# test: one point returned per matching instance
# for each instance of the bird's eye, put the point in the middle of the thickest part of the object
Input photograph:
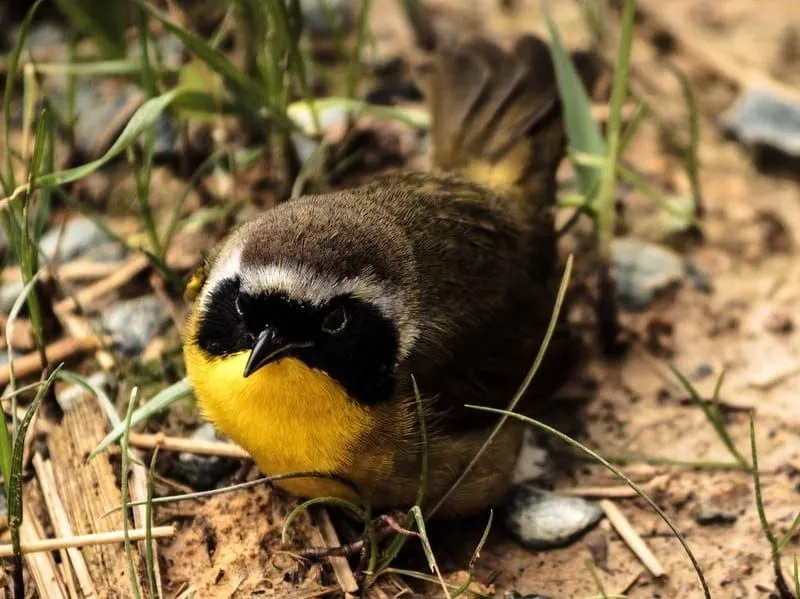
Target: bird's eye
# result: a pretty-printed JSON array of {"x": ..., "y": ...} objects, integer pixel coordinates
[{"x": 335, "y": 321}]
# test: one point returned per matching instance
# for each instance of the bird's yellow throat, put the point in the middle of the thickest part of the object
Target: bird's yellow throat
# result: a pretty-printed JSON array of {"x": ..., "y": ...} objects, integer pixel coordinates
[{"x": 288, "y": 416}]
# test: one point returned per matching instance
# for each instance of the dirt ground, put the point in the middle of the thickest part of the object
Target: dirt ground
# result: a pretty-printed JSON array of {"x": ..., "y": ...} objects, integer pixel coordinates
[{"x": 740, "y": 315}]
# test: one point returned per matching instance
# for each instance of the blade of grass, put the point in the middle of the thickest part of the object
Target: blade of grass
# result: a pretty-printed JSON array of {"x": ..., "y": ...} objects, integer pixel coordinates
[
  {"x": 11, "y": 75},
  {"x": 416, "y": 511},
  {"x": 349, "y": 506},
  {"x": 796, "y": 577},
  {"x": 434, "y": 580},
  {"x": 582, "y": 131},
  {"x": 601, "y": 460},
  {"x": 132, "y": 577},
  {"x": 619, "y": 91},
  {"x": 598, "y": 583},
  {"x": 787, "y": 537},
  {"x": 148, "y": 529},
  {"x": 157, "y": 403},
  {"x": 712, "y": 413},
  {"x": 762, "y": 514},
  {"x": 562, "y": 290},
  {"x": 102, "y": 398},
  {"x": 691, "y": 157},
  {"x": 14, "y": 487},
  {"x": 474, "y": 559}
]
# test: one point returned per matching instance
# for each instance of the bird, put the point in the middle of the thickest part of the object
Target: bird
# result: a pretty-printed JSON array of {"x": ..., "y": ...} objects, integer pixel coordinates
[{"x": 329, "y": 330}]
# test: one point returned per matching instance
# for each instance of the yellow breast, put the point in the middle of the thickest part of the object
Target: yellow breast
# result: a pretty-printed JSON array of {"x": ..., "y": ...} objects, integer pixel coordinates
[{"x": 288, "y": 416}]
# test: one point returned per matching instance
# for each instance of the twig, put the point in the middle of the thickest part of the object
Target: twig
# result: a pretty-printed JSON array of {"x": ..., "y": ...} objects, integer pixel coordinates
[
  {"x": 88, "y": 295},
  {"x": 99, "y": 538},
  {"x": 200, "y": 447},
  {"x": 41, "y": 567},
  {"x": 327, "y": 536},
  {"x": 632, "y": 538},
  {"x": 615, "y": 492},
  {"x": 57, "y": 352},
  {"x": 61, "y": 524},
  {"x": 76, "y": 270}
]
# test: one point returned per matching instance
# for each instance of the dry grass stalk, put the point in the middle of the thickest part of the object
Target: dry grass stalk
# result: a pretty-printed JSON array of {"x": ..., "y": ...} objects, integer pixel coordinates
[
  {"x": 613, "y": 492},
  {"x": 60, "y": 521},
  {"x": 138, "y": 492},
  {"x": 326, "y": 536},
  {"x": 76, "y": 270},
  {"x": 632, "y": 538},
  {"x": 90, "y": 294},
  {"x": 216, "y": 448},
  {"x": 57, "y": 352},
  {"x": 35, "y": 546},
  {"x": 40, "y": 565}
]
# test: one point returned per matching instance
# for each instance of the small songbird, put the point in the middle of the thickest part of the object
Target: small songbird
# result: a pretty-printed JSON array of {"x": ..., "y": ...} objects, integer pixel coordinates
[{"x": 310, "y": 320}]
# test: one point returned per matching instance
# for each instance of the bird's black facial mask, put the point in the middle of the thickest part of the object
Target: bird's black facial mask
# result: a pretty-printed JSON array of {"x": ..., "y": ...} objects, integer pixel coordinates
[{"x": 349, "y": 339}]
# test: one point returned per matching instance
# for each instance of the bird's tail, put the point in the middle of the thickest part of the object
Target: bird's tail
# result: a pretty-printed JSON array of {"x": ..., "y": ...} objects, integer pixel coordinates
[{"x": 496, "y": 115}]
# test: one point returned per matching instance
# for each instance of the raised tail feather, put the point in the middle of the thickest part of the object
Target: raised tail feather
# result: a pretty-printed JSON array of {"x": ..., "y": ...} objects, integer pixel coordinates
[{"x": 496, "y": 115}]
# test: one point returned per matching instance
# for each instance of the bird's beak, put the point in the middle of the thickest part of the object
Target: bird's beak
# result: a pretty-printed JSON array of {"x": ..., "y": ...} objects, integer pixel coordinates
[{"x": 268, "y": 348}]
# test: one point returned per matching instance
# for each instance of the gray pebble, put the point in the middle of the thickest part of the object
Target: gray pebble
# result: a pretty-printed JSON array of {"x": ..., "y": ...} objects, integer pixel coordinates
[
  {"x": 79, "y": 236},
  {"x": 70, "y": 396},
  {"x": 540, "y": 519},
  {"x": 134, "y": 323},
  {"x": 97, "y": 107},
  {"x": 760, "y": 118},
  {"x": 107, "y": 252},
  {"x": 644, "y": 271},
  {"x": 323, "y": 17},
  {"x": 9, "y": 292},
  {"x": 204, "y": 472},
  {"x": 708, "y": 513}
]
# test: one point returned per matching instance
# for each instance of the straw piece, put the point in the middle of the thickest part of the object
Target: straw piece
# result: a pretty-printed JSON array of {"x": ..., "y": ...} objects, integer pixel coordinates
[
  {"x": 33, "y": 546},
  {"x": 326, "y": 536},
  {"x": 57, "y": 351},
  {"x": 613, "y": 492},
  {"x": 61, "y": 524},
  {"x": 632, "y": 538},
  {"x": 88, "y": 295},
  {"x": 41, "y": 566},
  {"x": 198, "y": 446}
]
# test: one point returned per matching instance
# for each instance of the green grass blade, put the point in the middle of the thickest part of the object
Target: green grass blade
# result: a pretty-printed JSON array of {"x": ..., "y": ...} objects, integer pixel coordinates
[
  {"x": 15, "y": 481},
  {"x": 762, "y": 513},
  {"x": 605, "y": 199},
  {"x": 102, "y": 397},
  {"x": 132, "y": 576},
  {"x": 787, "y": 537},
  {"x": 796, "y": 577},
  {"x": 582, "y": 132},
  {"x": 343, "y": 504},
  {"x": 11, "y": 75},
  {"x": 160, "y": 401},
  {"x": 601, "y": 460},
  {"x": 102, "y": 20},
  {"x": 712, "y": 414},
  {"x": 148, "y": 529},
  {"x": 562, "y": 291}
]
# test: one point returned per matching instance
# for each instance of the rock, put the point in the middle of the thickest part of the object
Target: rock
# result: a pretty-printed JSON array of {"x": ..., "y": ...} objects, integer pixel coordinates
[
  {"x": 644, "y": 271},
  {"x": 78, "y": 236},
  {"x": 762, "y": 120},
  {"x": 708, "y": 513},
  {"x": 9, "y": 292},
  {"x": 703, "y": 371},
  {"x": 324, "y": 19},
  {"x": 134, "y": 323},
  {"x": 540, "y": 519},
  {"x": 107, "y": 252},
  {"x": 70, "y": 396},
  {"x": 778, "y": 322},
  {"x": 102, "y": 110},
  {"x": 518, "y": 595},
  {"x": 204, "y": 472}
]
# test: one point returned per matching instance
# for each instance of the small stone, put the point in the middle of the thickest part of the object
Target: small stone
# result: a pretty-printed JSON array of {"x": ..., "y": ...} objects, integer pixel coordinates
[
  {"x": 70, "y": 396},
  {"x": 134, "y": 323},
  {"x": 778, "y": 322},
  {"x": 75, "y": 239},
  {"x": 540, "y": 519},
  {"x": 644, "y": 271},
  {"x": 760, "y": 118},
  {"x": 102, "y": 109},
  {"x": 708, "y": 514},
  {"x": 703, "y": 370},
  {"x": 518, "y": 595},
  {"x": 107, "y": 252},
  {"x": 325, "y": 19},
  {"x": 204, "y": 472},
  {"x": 9, "y": 292}
]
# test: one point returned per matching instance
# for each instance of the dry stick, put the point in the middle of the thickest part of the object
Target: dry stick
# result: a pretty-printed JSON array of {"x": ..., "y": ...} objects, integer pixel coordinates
[
  {"x": 632, "y": 538},
  {"x": 98, "y": 538},
  {"x": 79, "y": 327},
  {"x": 76, "y": 270},
  {"x": 88, "y": 295},
  {"x": 57, "y": 351},
  {"x": 615, "y": 492},
  {"x": 694, "y": 42},
  {"x": 138, "y": 492},
  {"x": 61, "y": 523},
  {"x": 41, "y": 567},
  {"x": 327, "y": 536},
  {"x": 216, "y": 448}
]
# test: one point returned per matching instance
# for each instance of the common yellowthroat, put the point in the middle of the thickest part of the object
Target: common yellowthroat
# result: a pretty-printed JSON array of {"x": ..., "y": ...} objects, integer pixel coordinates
[{"x": 310, "y": 320}]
